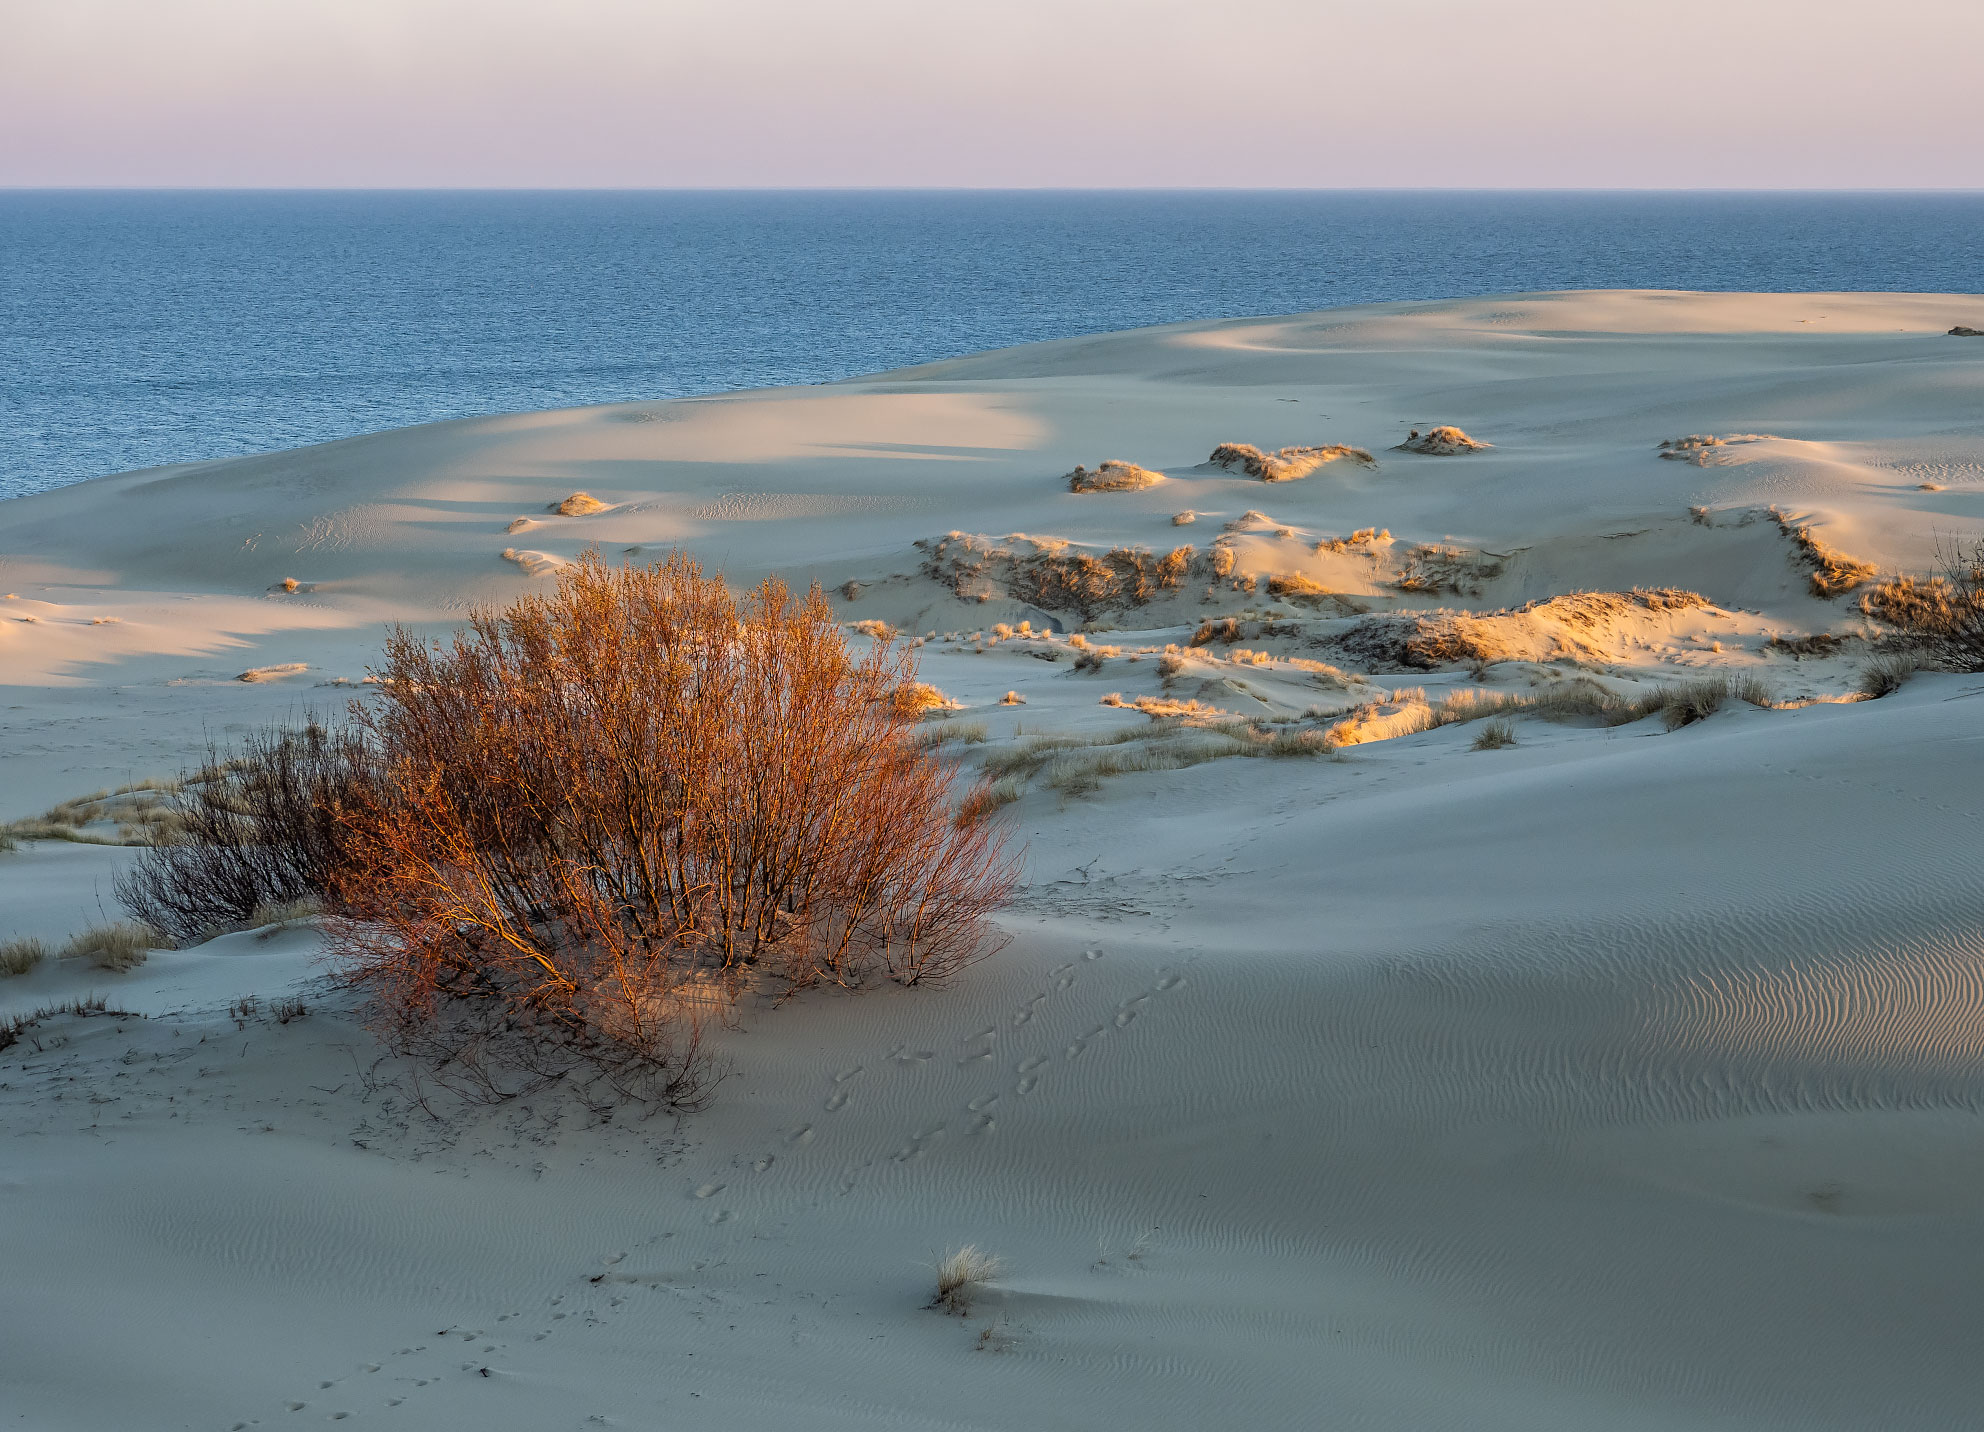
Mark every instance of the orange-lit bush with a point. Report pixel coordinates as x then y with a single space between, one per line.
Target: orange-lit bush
604 811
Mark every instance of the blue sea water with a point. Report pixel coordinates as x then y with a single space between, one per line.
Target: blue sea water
139 328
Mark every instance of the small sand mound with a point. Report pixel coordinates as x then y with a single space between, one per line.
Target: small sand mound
1285 465
1441 442
523 524
534 563
1702 448
1114 475
1045 572
273 673
579 504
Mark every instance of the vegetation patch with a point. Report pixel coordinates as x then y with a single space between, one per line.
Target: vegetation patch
1285 464
1832 572
1444 441
1114 475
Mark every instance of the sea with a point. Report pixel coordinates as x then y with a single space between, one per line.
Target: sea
139 328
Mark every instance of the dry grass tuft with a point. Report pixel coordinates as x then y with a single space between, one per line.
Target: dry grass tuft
1114 475
944 733
1362 537
1833 573
118 947
14 1028
1225 631
1441 442
1888 673
873 630
17 957
1171 662
1012 698
579 504
1944 614
917 699
1287 464
1496 735
960 1274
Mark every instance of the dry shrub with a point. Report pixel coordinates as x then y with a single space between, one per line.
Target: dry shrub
1285 465
1496 735
1171 662
1441 442
1114 475
17 957
872 629
257 827
603 812
579 504
1944 614
116 947
1833 573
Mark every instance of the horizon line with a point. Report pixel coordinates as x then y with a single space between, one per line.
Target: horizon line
969 189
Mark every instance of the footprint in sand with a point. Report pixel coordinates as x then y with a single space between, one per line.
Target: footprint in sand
1170 981
1027 1066
762 1164
801 1135
1064 977
1091 954
838 1099
708 1189
903 1055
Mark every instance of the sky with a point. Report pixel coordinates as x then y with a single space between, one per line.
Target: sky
992 93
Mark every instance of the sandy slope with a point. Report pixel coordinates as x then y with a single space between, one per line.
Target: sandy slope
1621 1079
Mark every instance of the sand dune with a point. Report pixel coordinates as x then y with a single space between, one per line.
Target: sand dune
1624 1077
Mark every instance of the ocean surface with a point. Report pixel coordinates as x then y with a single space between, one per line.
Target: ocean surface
142 328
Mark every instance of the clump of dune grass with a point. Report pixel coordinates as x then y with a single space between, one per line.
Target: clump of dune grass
1288 463
1444 441
1495 735
1291 585
14 1028
920 698
1171 662
1832 572
117 947
579 504
961 1273
17 957
1888 673
1113 475
1012 698
1943 615
944 733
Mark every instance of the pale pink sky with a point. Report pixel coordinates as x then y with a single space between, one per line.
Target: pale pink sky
598 93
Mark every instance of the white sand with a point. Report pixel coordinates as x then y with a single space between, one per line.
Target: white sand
1623 1079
